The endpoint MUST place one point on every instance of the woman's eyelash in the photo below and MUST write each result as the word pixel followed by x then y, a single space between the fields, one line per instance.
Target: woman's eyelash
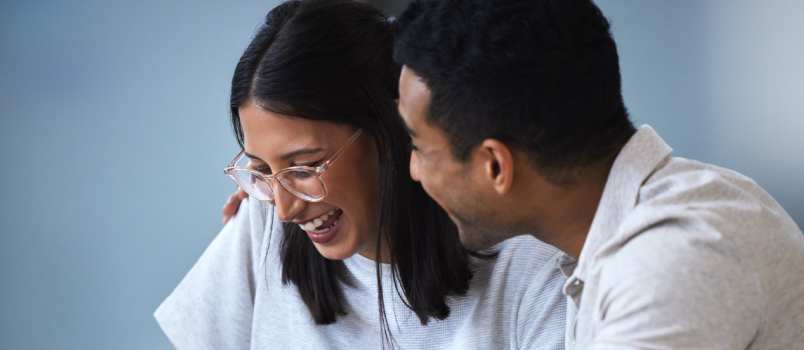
pixel 263 169
pixel 267 170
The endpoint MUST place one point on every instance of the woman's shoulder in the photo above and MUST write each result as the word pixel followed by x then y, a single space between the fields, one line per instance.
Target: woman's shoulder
pixel 258 220
pixel 527 251
pixel 213 304
pixel 252 215
pixel 524 263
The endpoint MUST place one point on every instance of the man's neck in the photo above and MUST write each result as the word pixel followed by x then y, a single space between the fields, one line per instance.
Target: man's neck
pixel 563 214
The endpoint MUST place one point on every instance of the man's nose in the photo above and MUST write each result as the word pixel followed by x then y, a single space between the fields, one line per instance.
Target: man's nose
pixel 414 169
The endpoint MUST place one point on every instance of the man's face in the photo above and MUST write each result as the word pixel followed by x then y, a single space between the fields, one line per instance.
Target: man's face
pixel 453 184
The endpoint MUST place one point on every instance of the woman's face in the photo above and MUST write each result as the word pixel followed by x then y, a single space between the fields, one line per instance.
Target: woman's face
pixel 344 222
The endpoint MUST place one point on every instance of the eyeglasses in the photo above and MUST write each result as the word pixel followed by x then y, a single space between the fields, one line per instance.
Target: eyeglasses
pixel 302 181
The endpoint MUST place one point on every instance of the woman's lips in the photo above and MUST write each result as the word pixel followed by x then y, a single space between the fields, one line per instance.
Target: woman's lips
pixel 331 229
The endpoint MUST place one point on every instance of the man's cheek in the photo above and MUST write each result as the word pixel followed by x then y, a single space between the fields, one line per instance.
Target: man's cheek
pixel 431 184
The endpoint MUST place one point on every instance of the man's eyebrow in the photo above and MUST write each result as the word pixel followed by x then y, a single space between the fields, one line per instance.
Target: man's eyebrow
pixel 409 130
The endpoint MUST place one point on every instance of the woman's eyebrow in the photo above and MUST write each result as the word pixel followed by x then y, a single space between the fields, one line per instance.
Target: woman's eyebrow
pixel 253 156
pixel 304 151
pixel 290 155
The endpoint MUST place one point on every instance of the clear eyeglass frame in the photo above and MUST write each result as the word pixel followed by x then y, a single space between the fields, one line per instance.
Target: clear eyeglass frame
pixel 261 186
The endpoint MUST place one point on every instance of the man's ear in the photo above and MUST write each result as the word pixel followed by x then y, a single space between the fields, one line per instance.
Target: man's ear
pixel 498 165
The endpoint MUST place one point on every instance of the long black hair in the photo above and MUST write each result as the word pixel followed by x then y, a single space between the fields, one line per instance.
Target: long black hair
pixel 331 60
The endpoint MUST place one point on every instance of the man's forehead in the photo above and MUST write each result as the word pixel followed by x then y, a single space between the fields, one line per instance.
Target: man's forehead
pixel 414 97
pixel 414 104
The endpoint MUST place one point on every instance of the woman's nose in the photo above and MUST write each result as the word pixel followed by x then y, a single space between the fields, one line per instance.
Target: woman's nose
pixel 288 206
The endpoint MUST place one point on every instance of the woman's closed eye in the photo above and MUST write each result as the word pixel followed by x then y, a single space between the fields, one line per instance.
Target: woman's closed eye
pixel 265 169
pixel 309 164
pixel 262 168
pixel 300 174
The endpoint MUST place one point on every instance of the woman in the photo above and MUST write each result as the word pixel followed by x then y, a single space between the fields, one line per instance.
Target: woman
pixel 336 240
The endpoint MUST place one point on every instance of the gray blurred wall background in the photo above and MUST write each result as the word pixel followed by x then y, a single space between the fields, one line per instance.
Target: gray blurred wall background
pixel 114 130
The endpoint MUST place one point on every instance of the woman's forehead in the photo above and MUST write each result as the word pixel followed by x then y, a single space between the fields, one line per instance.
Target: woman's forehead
pixel 274 135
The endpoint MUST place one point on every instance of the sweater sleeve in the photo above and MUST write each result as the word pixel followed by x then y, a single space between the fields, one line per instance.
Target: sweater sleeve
pixel 212 306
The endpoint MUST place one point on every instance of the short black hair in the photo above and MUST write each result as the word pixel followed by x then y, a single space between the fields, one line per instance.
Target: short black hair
pixel 540 75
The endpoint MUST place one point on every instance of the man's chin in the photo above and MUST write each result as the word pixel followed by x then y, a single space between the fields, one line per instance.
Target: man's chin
pixel 469 238
pixel 475 239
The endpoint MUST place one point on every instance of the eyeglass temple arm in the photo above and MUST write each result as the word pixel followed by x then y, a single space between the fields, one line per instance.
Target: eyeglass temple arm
pixel 349 142
pixel 232 162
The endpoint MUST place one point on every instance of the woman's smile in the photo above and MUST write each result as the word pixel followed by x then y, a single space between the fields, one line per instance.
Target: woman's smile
pixel 324 228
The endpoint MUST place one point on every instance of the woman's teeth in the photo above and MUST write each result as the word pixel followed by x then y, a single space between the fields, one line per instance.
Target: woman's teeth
pixel 317 222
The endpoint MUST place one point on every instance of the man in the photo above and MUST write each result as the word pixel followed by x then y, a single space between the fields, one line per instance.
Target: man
pixel 518 127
